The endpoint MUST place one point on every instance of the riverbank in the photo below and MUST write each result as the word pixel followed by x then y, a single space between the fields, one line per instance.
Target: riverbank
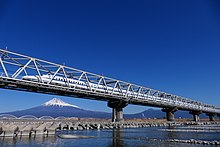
pixel 28 127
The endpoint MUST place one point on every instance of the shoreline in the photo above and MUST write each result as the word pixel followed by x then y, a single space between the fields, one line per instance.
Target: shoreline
pixel 25 127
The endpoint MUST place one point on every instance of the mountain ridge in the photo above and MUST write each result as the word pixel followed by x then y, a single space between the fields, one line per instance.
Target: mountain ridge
pixel 57 108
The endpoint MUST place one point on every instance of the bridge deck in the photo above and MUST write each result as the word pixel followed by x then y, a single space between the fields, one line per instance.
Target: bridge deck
pixel 25 73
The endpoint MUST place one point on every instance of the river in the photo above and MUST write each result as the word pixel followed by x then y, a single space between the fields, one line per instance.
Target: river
pixel 152 136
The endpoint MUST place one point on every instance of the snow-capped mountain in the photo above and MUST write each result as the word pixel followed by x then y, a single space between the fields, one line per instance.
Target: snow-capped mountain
pixel 56 108
pixel 58 102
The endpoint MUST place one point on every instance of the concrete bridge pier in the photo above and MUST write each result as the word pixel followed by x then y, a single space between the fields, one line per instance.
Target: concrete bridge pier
pixel 211 116
pixel 117 110
pixel 195 115
pixel 169 113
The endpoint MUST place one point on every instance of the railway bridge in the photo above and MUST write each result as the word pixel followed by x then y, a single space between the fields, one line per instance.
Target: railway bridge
pixel 21 72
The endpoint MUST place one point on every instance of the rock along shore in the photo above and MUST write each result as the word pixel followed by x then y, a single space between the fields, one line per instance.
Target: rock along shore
pixel 28 127
pixel 193 141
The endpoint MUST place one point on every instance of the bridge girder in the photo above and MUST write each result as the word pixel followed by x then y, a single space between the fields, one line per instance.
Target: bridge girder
pixel 14 67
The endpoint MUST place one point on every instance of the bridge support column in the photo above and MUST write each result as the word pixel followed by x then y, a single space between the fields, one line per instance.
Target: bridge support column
pixel 169 113
pixel 170 116
pixel 211 116
pixel 117 110
pixel 195 115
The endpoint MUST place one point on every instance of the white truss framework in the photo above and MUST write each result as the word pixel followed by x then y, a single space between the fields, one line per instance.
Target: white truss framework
pixel 21 72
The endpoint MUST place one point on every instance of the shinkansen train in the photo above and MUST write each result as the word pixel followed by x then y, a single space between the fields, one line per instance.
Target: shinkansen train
pixel 61 81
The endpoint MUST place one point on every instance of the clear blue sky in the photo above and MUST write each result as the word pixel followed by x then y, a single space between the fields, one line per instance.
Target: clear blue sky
pixel 171 45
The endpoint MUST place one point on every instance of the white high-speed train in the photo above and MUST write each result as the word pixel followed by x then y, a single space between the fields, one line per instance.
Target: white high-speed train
pixel 61 81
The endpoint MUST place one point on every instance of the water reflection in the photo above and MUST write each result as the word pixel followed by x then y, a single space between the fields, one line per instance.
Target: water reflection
pixel 26 141
pixel 169 135
pixel 117 138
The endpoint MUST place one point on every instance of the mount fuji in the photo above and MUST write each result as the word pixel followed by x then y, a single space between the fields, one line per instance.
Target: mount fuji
pixel 58 103
pixel 57 108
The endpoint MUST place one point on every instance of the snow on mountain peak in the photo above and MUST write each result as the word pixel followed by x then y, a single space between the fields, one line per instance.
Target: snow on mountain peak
pixel 58 102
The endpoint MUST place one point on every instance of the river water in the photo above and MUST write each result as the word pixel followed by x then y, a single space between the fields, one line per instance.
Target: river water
pixel 152 136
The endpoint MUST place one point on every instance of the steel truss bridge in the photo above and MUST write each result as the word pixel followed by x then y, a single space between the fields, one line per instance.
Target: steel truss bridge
pixel 21 72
